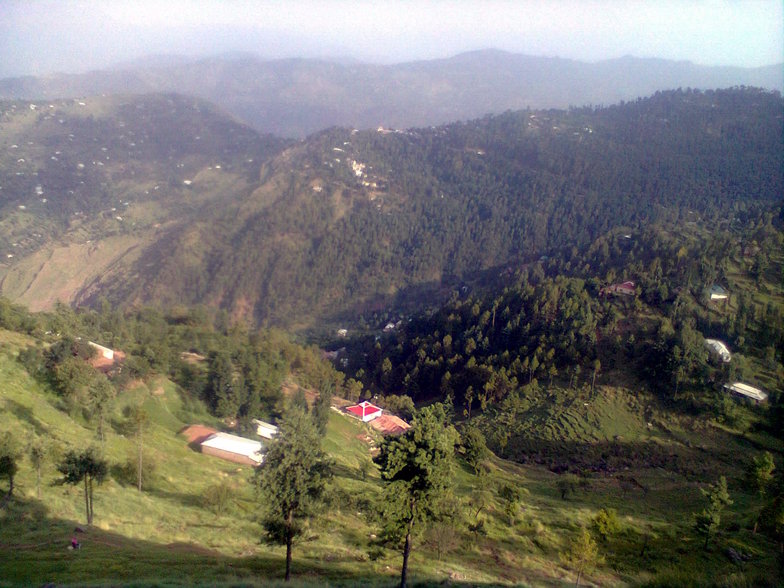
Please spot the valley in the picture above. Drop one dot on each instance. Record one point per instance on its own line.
(560, 302)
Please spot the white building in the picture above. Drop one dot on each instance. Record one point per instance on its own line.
(105, 352)
(233, 448)
(719, 348)
(747, 392)
(265, 430)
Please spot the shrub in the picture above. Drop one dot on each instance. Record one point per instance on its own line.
(218, 497)
(606, 524)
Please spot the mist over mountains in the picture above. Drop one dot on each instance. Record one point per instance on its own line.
(296, 97)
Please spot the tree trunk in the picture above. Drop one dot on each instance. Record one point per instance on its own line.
(38, 481)
(406, 552)
(87, 503)
(92, 513)
(289, 522)
(139, 465)
(579, 573)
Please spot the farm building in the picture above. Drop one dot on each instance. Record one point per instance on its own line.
(718, 293)
(719, 348)
(265, 430)
(624, 289)
(389, 424)
(233, 448)
(746, 392)
(364, 411)
(105, 358)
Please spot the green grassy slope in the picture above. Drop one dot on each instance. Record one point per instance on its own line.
(168, 536)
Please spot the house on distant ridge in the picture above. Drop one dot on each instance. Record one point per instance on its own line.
(719, 349)
(105, 358)
(746, 392)
(364, 411)
(718, 293)
(624, 289)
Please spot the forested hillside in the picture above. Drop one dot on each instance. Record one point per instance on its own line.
(362, 218)
(348, 221)
(86, 184)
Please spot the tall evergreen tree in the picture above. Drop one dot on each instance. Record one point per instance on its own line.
(8, 462)
(417, 470)
(707, 522)
(322, 407)
(291, 479)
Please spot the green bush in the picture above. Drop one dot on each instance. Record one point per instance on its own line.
(218, 497)
(606, 523)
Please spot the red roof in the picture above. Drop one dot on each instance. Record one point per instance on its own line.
(197, 433)
(363, 410)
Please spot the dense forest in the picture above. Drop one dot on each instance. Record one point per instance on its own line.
(553, 328)
(168, 201)
(367, 215)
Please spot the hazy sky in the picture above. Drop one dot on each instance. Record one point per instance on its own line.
(38, 37)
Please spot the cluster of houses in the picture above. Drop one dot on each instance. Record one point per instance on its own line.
(719, 349)
(246, 451)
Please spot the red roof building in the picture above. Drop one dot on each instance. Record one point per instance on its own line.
(364, 411)
(624, 289)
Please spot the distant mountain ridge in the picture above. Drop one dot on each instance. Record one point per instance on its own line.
(296, 97)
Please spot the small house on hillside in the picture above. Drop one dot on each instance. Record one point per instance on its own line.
(105, 358)
(265, 430)
(718, 293)
(746, 392)
(364, 411)
(719, 348)
(233, 448)
(389, 424)
(624, 289)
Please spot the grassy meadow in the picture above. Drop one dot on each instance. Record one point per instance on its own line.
(174, 534)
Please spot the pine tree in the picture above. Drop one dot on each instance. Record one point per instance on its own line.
(707, 522)
(583, 554)
(417, 471)
(322, 408)
(8, 462)
(291, 479)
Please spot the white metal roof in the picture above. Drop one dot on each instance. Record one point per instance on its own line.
(720, 348)
(234, 444)
(747, 390)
